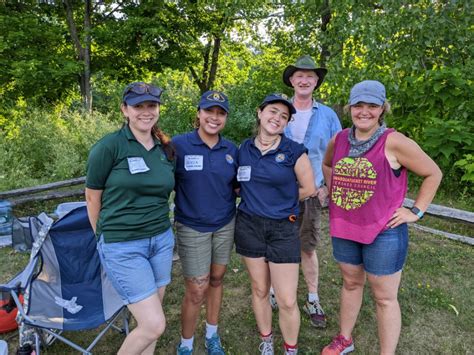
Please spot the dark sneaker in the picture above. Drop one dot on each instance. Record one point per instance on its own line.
(339, 345)
(316, 314)
(214, 346)
(273, 301)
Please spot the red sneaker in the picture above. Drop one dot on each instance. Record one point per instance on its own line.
(339, 345)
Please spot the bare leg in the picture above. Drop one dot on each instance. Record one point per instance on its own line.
(194, 296)
(151, 324)
(150, 350)
(214, 293)
(285, 282)
(351, 296)
(385, 291)
(259, 273)
(310, 266)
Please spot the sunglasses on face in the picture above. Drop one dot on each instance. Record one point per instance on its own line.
(143, 88)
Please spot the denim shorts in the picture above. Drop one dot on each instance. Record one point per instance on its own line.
(197, 250)
(275, 239)
(386, 255)
(137, 268)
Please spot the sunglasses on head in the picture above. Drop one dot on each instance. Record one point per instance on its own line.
(143, 88)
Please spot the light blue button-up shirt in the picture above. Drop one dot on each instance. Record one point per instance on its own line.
(322, 126)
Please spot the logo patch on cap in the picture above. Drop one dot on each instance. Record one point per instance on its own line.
(215, 96)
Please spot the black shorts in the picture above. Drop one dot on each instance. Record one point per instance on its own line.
(275, 239)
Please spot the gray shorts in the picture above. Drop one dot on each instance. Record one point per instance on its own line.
(198, 250)
(310, 223)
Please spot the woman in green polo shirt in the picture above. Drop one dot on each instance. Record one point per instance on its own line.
(130, 175)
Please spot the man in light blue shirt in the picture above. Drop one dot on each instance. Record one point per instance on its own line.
(314, 124)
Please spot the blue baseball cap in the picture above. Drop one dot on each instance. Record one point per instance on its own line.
(282, 98)
(214, 98)
(368, 91)
(136, 93)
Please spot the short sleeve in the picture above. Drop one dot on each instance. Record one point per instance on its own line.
(300, 149)
(99, 165)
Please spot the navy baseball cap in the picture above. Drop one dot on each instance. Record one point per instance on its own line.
(368, 91)
(136, 93)
(282, 98)
(214, 98)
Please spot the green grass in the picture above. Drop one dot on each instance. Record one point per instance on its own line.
(435, 297)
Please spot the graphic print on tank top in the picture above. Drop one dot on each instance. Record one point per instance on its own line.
(353, 182)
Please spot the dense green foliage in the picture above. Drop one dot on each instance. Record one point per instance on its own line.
(422, 52)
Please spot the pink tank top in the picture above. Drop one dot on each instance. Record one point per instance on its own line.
(364, 191)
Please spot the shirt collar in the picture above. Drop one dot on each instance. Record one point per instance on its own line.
(195, 139)
(315, 103)
(129, 135)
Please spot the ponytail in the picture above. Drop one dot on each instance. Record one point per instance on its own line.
(168, 147)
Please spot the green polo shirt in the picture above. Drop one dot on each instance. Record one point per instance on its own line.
(136, 186)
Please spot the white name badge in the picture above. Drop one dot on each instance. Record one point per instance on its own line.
(244, 172)
(193, 162)
(137, 165)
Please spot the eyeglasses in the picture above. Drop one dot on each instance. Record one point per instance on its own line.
(143, 88)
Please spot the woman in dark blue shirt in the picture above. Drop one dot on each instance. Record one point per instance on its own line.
(274, 174)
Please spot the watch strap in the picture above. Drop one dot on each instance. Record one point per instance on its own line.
(417, 211)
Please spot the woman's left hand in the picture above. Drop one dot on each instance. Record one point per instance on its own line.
(402, 215)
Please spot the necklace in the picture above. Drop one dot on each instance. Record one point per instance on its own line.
(262, 144)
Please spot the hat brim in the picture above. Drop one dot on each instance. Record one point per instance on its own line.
(286, 103)
(368, 99)
(290, 70)
(141, 98)
(212, 104)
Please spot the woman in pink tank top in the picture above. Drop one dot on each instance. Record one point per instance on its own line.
(367, 168)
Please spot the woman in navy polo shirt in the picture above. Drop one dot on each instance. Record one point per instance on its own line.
(274, 174)
(205, 217)
(130, 175)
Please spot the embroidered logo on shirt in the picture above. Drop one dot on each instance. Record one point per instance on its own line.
(280, 157)
(353, 182)
(229, 158)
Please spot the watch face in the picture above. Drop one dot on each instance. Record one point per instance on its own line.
(417, 211)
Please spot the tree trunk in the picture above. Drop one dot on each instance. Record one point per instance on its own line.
(325, 19)
(87, 57)
(82, 53)
(214, 62)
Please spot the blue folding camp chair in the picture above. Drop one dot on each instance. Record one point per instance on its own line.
(64, 285)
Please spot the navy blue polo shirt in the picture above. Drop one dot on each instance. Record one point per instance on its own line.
(268, 184)
(205, 182)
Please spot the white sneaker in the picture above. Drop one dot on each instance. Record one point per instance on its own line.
(266, 348)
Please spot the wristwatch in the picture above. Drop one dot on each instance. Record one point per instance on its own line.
(417, 211)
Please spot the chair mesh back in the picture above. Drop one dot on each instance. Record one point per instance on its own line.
(71, 292)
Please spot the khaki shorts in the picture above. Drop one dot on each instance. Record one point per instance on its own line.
(198, 250)
(310, 223)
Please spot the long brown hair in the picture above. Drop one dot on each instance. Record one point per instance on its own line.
(165, 140)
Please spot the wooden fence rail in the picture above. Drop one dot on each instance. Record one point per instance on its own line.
(30, 194)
